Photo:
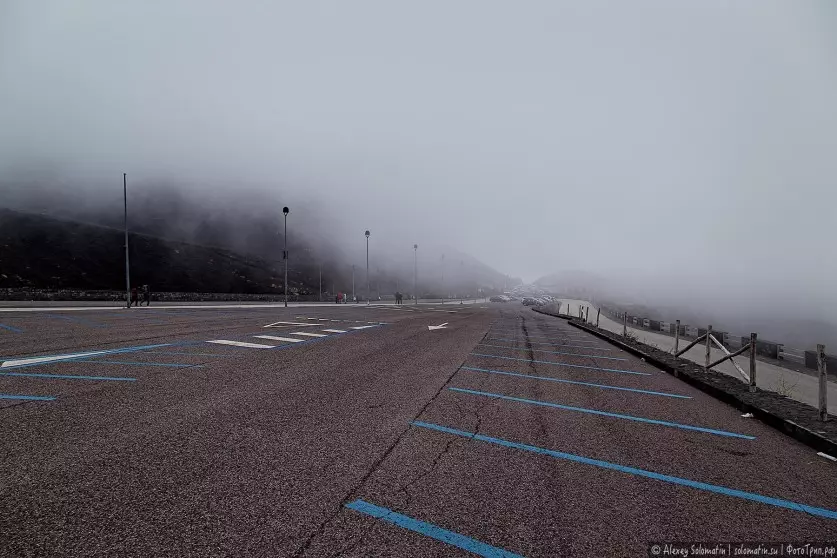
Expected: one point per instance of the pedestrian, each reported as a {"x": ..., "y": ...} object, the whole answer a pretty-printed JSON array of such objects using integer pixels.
[
  {"x": 146, "y": 295},
  {"x": 134, "y": 298}
]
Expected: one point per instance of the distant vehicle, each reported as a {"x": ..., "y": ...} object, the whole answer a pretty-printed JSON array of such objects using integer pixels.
[{"x": 497, "y": 299}]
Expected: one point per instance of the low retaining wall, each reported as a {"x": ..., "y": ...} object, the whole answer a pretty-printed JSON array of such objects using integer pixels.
[{"x": 791, "y": 417}]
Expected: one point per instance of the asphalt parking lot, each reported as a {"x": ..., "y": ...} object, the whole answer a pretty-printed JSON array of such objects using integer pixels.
[{"x": 357, "y": 431}]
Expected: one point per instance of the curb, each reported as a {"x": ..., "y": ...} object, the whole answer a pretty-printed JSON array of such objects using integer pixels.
[{"x": 790, "y": 417}]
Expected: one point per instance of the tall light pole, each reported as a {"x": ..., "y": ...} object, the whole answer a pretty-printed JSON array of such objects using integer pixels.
[
  {"x": 415, "y": 273},
  {"x": 353, "y": 283},
  {"x": 321, "y": 281},
  {"x": 285, "y": 211},
  {"x": 368, "y": 291},
  {"x": 444, "y": 285},
  {"x": 127, "y": 261}
]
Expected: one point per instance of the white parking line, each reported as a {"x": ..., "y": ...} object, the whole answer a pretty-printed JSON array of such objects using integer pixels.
[
  {"x": 37, "y": 360},
  {"x": 274, "y": 338},
  {"x": 289, "y": 323},
  {"x": 241, "y": 344},
  {"x": 361, "y": 327},
  {"x": 335, "y": 330},
  {"x": 308, "y": 334}
]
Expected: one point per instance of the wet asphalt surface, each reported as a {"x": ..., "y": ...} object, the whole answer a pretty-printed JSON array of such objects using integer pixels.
[{"x": 204, "y": 449}]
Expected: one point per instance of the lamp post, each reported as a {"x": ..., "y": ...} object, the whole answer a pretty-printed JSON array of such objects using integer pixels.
[
  {"x": 415, "y": 273},
  {"x": 127, "y": 261},
  {"x": 368, "y": 291},
  {"x": 353, "y": 283},
  {"x": 285, "y": 211},
  {"x": 321, "y": 281}
]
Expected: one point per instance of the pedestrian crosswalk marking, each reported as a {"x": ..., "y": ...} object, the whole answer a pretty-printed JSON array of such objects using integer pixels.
[
  {"x": 308, "y": 334},
  {"x": 275, "y": 324},
  {"x": 362, "y": 327},
  {"x": 274, "y": 338},
  {"x": 335, "y": 330},
  {"x": 241, "y": 344}
]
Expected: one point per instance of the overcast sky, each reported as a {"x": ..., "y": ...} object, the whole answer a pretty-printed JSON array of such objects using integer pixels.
[{"x": 649, "y": 141}]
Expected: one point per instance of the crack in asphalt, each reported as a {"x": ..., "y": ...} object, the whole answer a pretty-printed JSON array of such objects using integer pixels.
[{"x": 374, "y": 467}]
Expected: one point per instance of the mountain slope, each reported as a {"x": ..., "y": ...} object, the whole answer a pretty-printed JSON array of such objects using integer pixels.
[{"x": 44, "y": 252}]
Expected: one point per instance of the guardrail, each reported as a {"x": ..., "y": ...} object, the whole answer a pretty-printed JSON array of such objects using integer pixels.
[{"x": 752, "y": 346}]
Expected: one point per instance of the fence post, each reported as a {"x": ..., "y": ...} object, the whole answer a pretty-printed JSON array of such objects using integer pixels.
[
  {"x": 821, "y": 364},
  {"x": 753, "y": 338},
  {"x": 677, "y": 337},
  {"x": 708, "y": 347},
  {"x": 625, "y": 325},
  {"x": 598, "y": 313}
]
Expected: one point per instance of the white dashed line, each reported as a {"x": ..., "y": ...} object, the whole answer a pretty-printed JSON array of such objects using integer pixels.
[
  {"x": 335, "y": 330},
  {"x": 308, "y": 334},
  {"x": 289, "y": 323},
  {"x": 274, "y": 338},
  {"x": 241, "y": 344},
  {"x": 362, "y": 327}
]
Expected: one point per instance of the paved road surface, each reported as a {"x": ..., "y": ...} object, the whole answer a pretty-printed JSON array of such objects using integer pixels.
[{"x": 202, "y": 432}]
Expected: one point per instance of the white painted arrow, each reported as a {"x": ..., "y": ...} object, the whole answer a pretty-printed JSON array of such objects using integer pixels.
[{"x": 440, "y": 326}]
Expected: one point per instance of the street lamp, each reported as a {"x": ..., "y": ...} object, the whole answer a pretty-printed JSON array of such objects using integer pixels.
[
  {"x": 353, "y": 283},
  {"x": 368, "y": 291},
  {"x": 285, "y": 211},
  {"x": 127, "y": 260},
  {"x": 415, "y": 273}
]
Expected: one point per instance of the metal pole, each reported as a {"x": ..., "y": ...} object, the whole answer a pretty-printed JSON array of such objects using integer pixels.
[
  {"x": 598, "y": 313},
  {"x": 708, "y": 347},
  {"x": 415, "y": 273},
  {"x": 625, "y": 324},
  {"x": 821, "y": 364},
  {"x": 321, "y": 281},
  {"x": 753, "y": 339},
  {"x": 353, "y": 283},
  {"x": 677, "y": 336},
  {"x": 368, "y": 290},
  {"x": 127, "y": 257},
  {"x": 285, "y": 255}
]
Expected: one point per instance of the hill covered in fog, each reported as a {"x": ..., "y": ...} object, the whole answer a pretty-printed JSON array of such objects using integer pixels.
[{"x": 214, "y": 240}]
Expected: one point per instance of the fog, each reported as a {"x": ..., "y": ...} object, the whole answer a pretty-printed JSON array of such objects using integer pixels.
[{"x": 681, "y": 152}]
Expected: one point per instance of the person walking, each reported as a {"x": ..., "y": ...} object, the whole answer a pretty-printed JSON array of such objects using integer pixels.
[
  {"x": 134, "y": 298},
  {"x": 146, "y": 295}
]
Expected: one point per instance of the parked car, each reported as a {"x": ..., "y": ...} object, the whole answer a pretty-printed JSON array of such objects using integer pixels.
[{"x": 497, "y": 299}]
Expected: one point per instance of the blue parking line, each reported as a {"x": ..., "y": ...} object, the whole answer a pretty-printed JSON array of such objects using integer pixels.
[
  {"x": 574, "y": 382},
  {"x": 10, "y": 328},
  {"x": 144, "y": 363},
  {"x": 577, "y": 339},
  {"x": 428, "y": 529},
  {"x": 605, "y": 414},
  {"x": 550, "y": 352},
  {"x": 778, "y": 502},
  {"x": 552, "y": 344},
  {"x": 634, "y": 372},
  {"x": 185, "y": 354},
  {"x": 66, "y": 376},
  {"x": 27, "y": 397}
]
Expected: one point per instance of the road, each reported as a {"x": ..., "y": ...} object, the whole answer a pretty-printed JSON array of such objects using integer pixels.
[{"x": 331, "y": 430}]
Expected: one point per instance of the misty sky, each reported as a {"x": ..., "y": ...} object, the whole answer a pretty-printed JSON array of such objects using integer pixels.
[{"x": 681, "y": 147}]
